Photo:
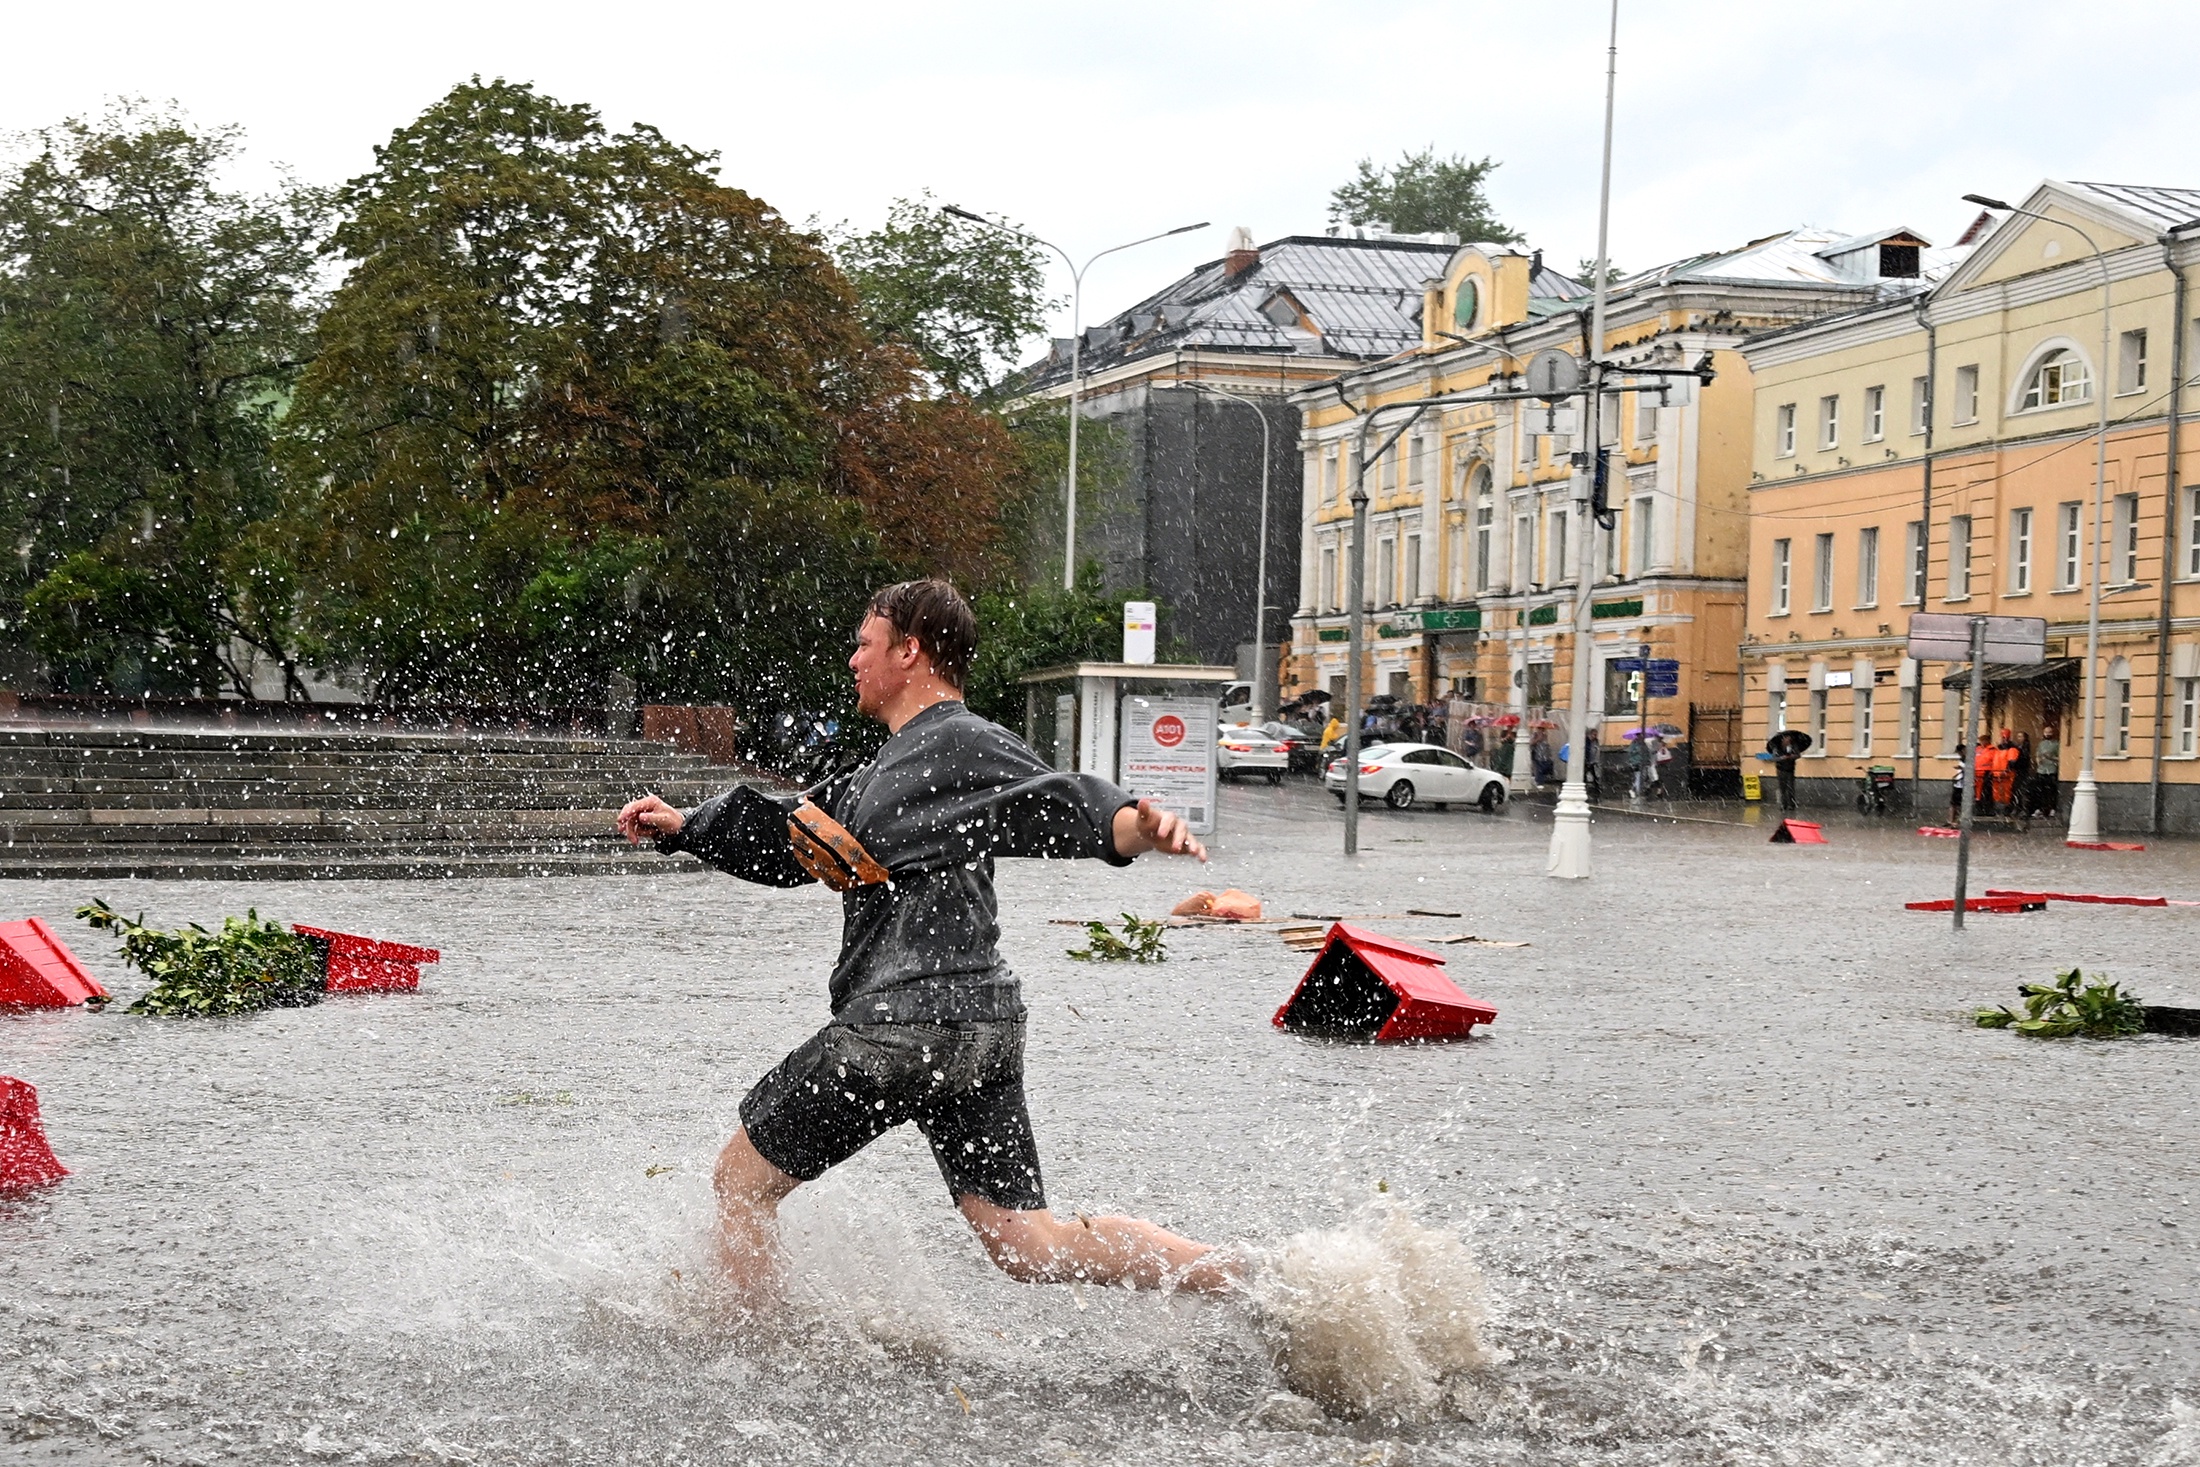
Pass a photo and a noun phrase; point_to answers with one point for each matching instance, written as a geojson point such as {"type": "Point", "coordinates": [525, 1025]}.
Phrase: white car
{"type": "Point", "coordinates": [1406, 775]}
{"type": "Point", "coordinates": [1243, 750]}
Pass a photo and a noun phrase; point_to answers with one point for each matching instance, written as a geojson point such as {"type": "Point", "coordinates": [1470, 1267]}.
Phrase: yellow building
{"type": "Point", "coordinates": [1938, 454]}
{"type": "Point", "coordinates": [1474, 547]}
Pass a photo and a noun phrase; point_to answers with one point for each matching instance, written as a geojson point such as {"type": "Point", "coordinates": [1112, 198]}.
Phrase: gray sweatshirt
{"type": "Point", "coordinates": [945, 796]}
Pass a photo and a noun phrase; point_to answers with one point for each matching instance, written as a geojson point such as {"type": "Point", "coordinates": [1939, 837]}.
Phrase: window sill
{"type": "Point", "coordinates": [2066, 591]}
{"type": "Point", "coordinates": [1964, 423]}
{"type": "Point", "coordinates": [1826, 610]}
{"type": "Point", "coordinates": [2014, 595]}
{"type": "Point", "coordinates": [1877, 438]}
{"type": "Point", "coordinates": [1781, 614]}
{"type": "Point", "coordinates": [1865, 606]}
{"type": "Point", "coordinates": [1955, 600]}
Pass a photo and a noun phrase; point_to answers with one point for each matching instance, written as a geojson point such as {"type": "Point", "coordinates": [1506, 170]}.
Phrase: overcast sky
{"type": "Point", "coordinates": [1094, 124]}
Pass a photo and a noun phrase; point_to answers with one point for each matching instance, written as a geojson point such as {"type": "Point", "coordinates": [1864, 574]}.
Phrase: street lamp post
{"type": "Point", "coordinates": [1253, 710]}
{"type": "Point", "coordinates": [2085, 801]}
{"type": "Point", "coordinates": [1076, 349]}
{"type": "Point", "coordinates": [1569, 855]}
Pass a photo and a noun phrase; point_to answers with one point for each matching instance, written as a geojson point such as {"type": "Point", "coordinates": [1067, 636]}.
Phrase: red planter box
{"type": "Point", "coordinates": [37, 969]}
{"type": "Point", "coordinates": [1362, 985]}
{"type": "Point", "coordinates": [363, 965]}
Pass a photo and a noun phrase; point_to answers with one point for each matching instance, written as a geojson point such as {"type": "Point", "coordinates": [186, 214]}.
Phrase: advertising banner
{"type": "Point", "coordinates": [1169, 755]}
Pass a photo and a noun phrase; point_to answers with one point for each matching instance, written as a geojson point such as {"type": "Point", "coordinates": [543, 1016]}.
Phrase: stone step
{"type": "Point", "coordinates": [477, 794]}
{"type": "Point", "coordinates": [342, 864]}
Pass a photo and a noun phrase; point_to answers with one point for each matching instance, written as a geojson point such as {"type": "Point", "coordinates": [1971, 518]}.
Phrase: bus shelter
{"type": "Point", "coordinates": [1072, 713]}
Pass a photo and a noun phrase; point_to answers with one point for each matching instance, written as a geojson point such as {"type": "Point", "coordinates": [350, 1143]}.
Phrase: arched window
{"type": "Point", "coordinates": [2062, 376]}
{"type": "Point", "coordinates": [1484, 501]}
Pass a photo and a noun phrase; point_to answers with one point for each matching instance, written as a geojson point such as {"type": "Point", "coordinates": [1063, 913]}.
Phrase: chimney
{"type": "Point", "coordinates": [1241, 255]}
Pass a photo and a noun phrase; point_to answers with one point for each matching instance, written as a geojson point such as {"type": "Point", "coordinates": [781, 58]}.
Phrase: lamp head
{"type": "Point", "coordinates": [1186, 228]}
{"type": "Point", "coordinates": [961, 213]}
{"type": "Point", "coordinates": [1986, 203]}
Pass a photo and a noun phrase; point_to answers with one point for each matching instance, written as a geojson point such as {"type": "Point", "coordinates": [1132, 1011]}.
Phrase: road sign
{"type": "Point", "coordinates": [1553, 373]}
{"type": "Point", "coordinates": [1939, 637]}
{"type": "Point", "coordinates": [1655, 666]}
{"type": "Point", "coordinates": [1662, 687]}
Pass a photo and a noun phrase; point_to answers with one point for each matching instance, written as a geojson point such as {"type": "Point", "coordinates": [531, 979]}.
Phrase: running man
{"type": "Point", "coordinates": [927, 1024]}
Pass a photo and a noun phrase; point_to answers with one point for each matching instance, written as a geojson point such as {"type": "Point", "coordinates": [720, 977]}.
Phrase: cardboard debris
{"type": "Point", "coordinates": [1479, 941]}
{"type": "Point", "coordinates": [1226, 906]}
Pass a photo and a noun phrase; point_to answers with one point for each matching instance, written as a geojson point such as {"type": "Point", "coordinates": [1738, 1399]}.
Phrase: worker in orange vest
{"type": "Point", "coordinates": [1986, 763]}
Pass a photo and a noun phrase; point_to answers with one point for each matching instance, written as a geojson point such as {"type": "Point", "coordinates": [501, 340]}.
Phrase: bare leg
{"type": "Point", "coordinates": [750, 1190]}
{"type": "Point", "coordinates": [1040, 1248]}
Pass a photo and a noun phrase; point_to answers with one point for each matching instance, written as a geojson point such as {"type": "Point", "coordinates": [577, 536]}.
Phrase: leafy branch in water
{"type": "Point", "coordinates": [1140, 943]}
{"type": "Point", "coordinates": [247, 966]}
{"type": "Point", "coordinates": [2069, 1006]}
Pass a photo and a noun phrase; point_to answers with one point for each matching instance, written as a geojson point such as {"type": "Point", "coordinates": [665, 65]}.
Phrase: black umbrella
{"type": "Point", "coordinates": [1788, 743]}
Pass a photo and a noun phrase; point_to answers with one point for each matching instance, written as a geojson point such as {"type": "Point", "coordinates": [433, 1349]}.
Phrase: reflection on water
{"type": "Point", "coordinates": [1669, 1225]}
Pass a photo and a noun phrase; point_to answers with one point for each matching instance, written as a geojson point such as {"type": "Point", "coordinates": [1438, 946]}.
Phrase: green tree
{"type": "Point", "coordinates": [580, 408]}
{"type": "Point", "coordinates": [963, 297]}
{"type": "Point", "coordinates": [1422, 194]}
{"type": "Point", "coordinates": [1021, 631]}
{"type": "Point", "coordinates": [151, 325]}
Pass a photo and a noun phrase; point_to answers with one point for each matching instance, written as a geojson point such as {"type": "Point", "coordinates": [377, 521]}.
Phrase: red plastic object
{"type": "Point", "coordinates": [2105, 845]}
{"type": "Point", "coordinates": [1362, 985]}
{"type": "Point", "coordinates": [2072, 896]}
{"type": "Point", "coordinates": [2023, 902]}
{"type": "Point", "coordinates": [1944, 832]}
{"type": "Point", "coordinates": [363, 965]}
{"type": "Point", "coordinates": [37, 968]}
{"type": "Point", "coordinates": [25, 1158]}
{"type": "Point", "coordinates": [1799, 833]}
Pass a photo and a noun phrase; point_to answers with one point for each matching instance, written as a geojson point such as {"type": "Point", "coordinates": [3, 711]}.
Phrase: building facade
{"type": "Point", "coordinates": [1173, 503]}
{"type": "Point", "coordinates": [1475, 552]}
{"type": "Point", "coordinates": [1939, 454]}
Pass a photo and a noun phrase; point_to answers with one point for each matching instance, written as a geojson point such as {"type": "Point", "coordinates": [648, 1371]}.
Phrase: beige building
{"type": "Point", "coordinates": [1475, 552]}
{"type": "Point", "coordinates": [1939, 454]}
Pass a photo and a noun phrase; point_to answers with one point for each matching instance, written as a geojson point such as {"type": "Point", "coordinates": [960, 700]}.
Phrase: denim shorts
{"type": "Point", "coordinates": [849, 1084]}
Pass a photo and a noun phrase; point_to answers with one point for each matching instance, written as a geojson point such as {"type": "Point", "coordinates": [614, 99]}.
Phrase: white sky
{"type": "Point", "coordinates": [1093, 124]}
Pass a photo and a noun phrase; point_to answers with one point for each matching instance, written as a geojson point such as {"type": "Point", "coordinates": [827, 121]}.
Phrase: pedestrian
{"type": "Point", "coordinates": [1470, 743]}
{"type": "Point", "coordinates": [927, 1024]}
{"type": "Point", "coordinates": [2020, 777]}
{"type": "Point", "coordinates": [1539, 757]}
{"type": "Point", "coordinates": [2047, 773]}
{"type": "Point", "coordinates": [1785, 752]}
{"type": "Point", "coordinates": [2005, 767]}
{"type": "Point", "coordinates": [1955, 787]}
{"type": "Point", "coordinates": [1332, 733]}
{"type": "Point", "coordinates": [1983, 765]}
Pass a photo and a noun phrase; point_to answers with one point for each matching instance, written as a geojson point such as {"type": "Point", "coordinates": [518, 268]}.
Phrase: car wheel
{"type": "Point", "coordinates": [1493, 796]}
{"type": "Point", "coordinates": [1275, 777]}
{"type": "Point", "coordinates": [1400, 795]}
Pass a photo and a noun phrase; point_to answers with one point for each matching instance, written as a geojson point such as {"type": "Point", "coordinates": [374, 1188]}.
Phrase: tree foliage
{"type": "Point", "coordinates": [963, 297]}
{"type": "Point", "coordinates": [1021, 631]}
{"type": "Point", "coordinates": [581, 408]}
{"type": "Point", "coordinates": [1422, 194]}
{"type": "Point", "coordinates": [151, 323]}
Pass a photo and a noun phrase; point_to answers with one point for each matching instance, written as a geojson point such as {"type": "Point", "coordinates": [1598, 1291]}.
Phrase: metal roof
{"type": "Point", "coordinates": [2164, 207]}
{"type": "Point", "coordinates": [1363, 297]}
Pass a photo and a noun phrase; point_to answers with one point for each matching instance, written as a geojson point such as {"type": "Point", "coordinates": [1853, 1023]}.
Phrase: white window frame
{"type": "Point", "coordinates": [1646, 419]}
{"type": "Point", "coordinates": [1386, 571]}
{"type": "Point", "coordinates": [2187, 745]}
{"type": "Point", "coordinates": [2020, 551]}
{"type": "Point", "coordinates": [2131, 362]}
{"type": "Point", "coordinates": [1409, 570]}
{"type": "Point", "coordinates": [1959, 558]}
{"type": "Point", "coordinates": [1867, 567]}
{"type": "Point", "coordinates": [1776, 711]}
{"type": "Point", "coordinates": [1557, 548]}
{"type": "Point", "coordinates": [1326, 591]}
{"type": "Point", "coordinates": [1523, 549]}
{"type": "Point", "coordinates": [2192, 532]}
{"type": "Point", "coordinates": [1829, 421]}
{"type": "Point", "coordinates": [1821, 573]}
{"type": "Point", "coordinates": [1921, 405]}
{"type": "Point", "coordinates": [2119, 709]}
{"type": "Point", "coordinates": [2058, 376]}
{"type": "Point", "coordinates": [1783, 564]}
{"type": "Point", "coordinates": [1818, 701]}
{"type": "Point", "coordinates": [1875, 414]}
{"type": "Point", "coordinates": [1860, 746]}
{"type": "Point", "coordinates": [1646, 532]}
{"type": "Point", "coordinates": [2069, 545]}
{"type": "Point", "coordinates": [1485, 543]}
{"type": "Point", "coordinates": [1966, 403]}
{"type": "Point", "coordinates": [2124, 544]}
{"type": "Point", "coordinates": [1915, 569]}
{"type": "Point", "coordinates": [1908, 703]}
{"type": "Point", "coordinates": [1783, 431]}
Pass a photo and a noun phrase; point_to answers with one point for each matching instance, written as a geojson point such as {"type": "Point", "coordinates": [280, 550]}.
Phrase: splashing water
{"type": "Point", "coordinates": [1377, 1317]}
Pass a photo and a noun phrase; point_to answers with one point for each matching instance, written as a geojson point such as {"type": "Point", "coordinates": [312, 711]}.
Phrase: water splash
{"type": "Point", "coordinates": [1378, 1317]}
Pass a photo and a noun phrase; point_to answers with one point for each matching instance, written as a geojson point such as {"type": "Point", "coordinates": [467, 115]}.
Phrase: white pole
{"type": "Point", "coordinates": [1076, 362]}
{"type": "Point", "coordinates": [1569, 855]}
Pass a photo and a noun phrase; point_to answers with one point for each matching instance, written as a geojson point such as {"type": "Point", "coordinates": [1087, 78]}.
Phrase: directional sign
{"type": "Point", "coordinates": [1658, 689]}
{"type": "Point", "coordinates": [1939, 637]}
{"type": "Point", "coordinates": [1553, 373]}
{"type": "Point", "coordinates": [1666, 667]}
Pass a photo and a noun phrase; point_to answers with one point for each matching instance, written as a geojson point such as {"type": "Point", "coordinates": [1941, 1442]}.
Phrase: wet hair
{"type": "Point", "coordinates": [935, 614]}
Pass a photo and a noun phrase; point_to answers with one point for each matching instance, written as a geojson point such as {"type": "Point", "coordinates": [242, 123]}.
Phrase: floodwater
{"type": "Point", "coordinates": [1741, 1185]}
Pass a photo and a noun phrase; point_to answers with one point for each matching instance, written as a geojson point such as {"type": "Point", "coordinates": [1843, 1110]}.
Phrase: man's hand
{"type": "Point", "coordinates": [1148, 827]}
{"type": "Point", "coordinates": [647, 818]}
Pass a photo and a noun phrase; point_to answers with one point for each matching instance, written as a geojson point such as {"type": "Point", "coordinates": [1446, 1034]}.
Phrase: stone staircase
{"type": "Point", "coordinates": [223, 804]}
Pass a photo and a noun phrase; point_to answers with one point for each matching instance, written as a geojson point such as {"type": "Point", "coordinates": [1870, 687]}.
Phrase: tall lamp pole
{"type": "Point", "coordinates": [1076, 348]}
{"type": "Point", "coordinates": [1569, 856]}
{"type": "Point", "coordinates": [2085, 801]}
{"type": "Point", "coordinates": [1254, 712]}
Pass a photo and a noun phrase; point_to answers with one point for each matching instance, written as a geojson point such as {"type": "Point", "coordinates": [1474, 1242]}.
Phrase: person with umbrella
{"type": "Point", "coordinates": [1786, 747]}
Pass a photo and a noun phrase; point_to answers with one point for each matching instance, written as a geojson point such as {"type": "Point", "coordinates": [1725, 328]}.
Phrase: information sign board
{"type": "Point", "coordinates": [1939, 637]}
{"type": "Point", "coordinates": [1138, 631]}
{"type": "Point", "coordinates": [1169, 755]}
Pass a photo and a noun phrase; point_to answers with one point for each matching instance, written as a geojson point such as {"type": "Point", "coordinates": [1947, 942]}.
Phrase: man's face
{"type": "Point", "coordinates": [883, 663]}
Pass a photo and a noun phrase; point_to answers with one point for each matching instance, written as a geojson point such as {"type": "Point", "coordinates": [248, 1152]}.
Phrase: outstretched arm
{"type": "Point", "coordinates": [742, 832]}
{"type": "Point", "coordinates": [1145, 827]}
{"type": "Point", "coordinates": [648, 818]}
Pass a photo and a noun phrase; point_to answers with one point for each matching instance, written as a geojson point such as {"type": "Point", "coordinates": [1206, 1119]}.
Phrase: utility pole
{"type": "Point", "coordinates": [1569, 857]}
